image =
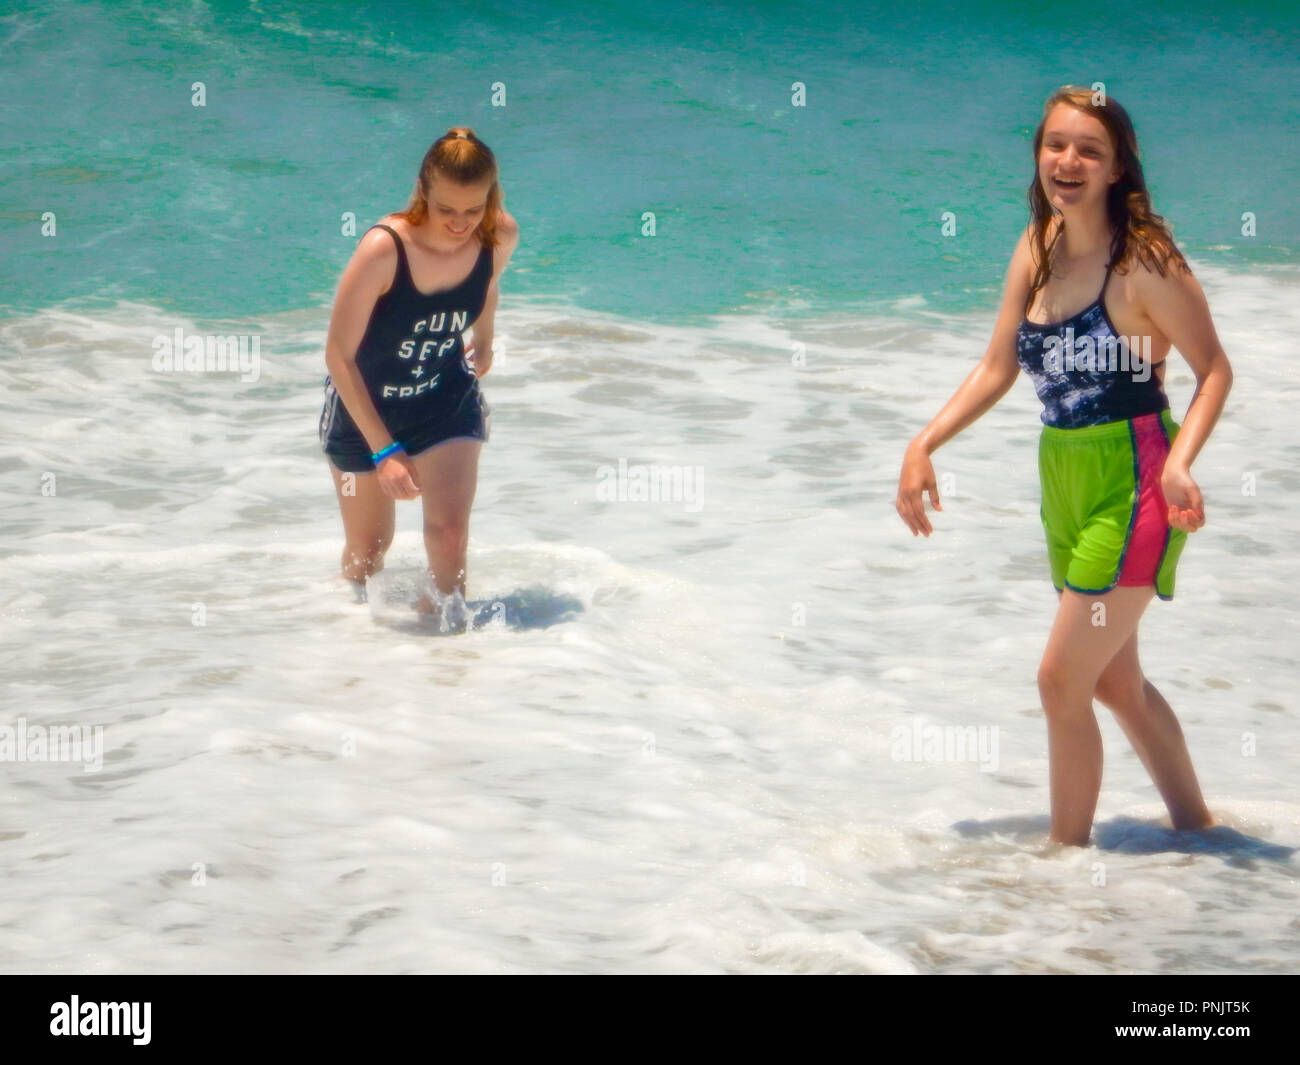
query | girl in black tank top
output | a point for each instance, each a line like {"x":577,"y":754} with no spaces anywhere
{"x":413,"y":353}
{"x":411,"y":383}
{"x":412,"y":358}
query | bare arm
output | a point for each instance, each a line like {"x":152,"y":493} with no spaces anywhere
{"x":485,"y":324}
{"x":366,"y":277}
{"x":987,"y":383}
{"x":1177,"y":306}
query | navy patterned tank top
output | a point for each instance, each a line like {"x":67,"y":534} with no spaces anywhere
{"x":412,"y":356}
{"x":1085,"y":373}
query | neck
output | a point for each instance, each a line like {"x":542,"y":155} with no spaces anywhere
{"x":1087,"y":234}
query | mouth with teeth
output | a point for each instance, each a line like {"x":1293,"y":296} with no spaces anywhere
{"x":1068,"y":183}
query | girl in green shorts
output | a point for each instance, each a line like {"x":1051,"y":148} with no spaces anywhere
{"x":1118,"y":499}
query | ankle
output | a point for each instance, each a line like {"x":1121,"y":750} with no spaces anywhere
{"x":1195,"y":824}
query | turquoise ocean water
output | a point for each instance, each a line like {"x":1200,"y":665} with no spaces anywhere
{"x":696,"y":741}
{"x":612,"y":110}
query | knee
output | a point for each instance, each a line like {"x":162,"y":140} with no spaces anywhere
{"x":1057,"y":684}
{"x":1050,"y":682}
{"x":448,"y":534}
{"x":1123,"y":697}
{"x":368,"y":552}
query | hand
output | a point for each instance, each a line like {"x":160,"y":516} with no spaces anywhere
{"x":1186,"y":508}
{"x":916,"y":477}
{"x":480,"y":361}
{"x":397,"y":476}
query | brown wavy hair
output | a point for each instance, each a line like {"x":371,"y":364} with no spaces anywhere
{"x":1140,"y":233}
{"x":465,"y":160}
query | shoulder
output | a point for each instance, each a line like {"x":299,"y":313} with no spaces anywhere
{"x":1051,"y":230}
{"x":1172,"y":282}
{"x":507,"y":241}
{"x":1019,"y":279}
{"x":508,"y":230}
{"x":374,"y":260}
{"x":376,"y":247}
{"x":1027,"y":247}
{"x":376,"y":240}
{"x":1168,"y":293}
{"x":1024,"y":245}
{"x":1023,"y":261}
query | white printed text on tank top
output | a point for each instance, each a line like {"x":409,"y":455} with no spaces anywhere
{"x":429,"y":341}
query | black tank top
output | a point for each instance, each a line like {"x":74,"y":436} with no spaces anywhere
{"x":412,"y":356}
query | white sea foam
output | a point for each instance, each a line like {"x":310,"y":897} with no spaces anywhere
{"x":672,"y":748}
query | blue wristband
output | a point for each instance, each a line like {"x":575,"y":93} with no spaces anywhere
{"x":379,"y":456}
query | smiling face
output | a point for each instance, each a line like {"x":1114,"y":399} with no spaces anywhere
{"x":1077,"y":162}
{"x":456,"y":210}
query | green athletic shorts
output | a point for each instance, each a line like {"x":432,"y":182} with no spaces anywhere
{"x":1103,"y":512}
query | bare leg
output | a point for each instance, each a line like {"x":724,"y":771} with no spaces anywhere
{"x":449,"y":478}
{"x":1087,"y":633}
{"x":1152,"y":728}
{"x":368,"y":522}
